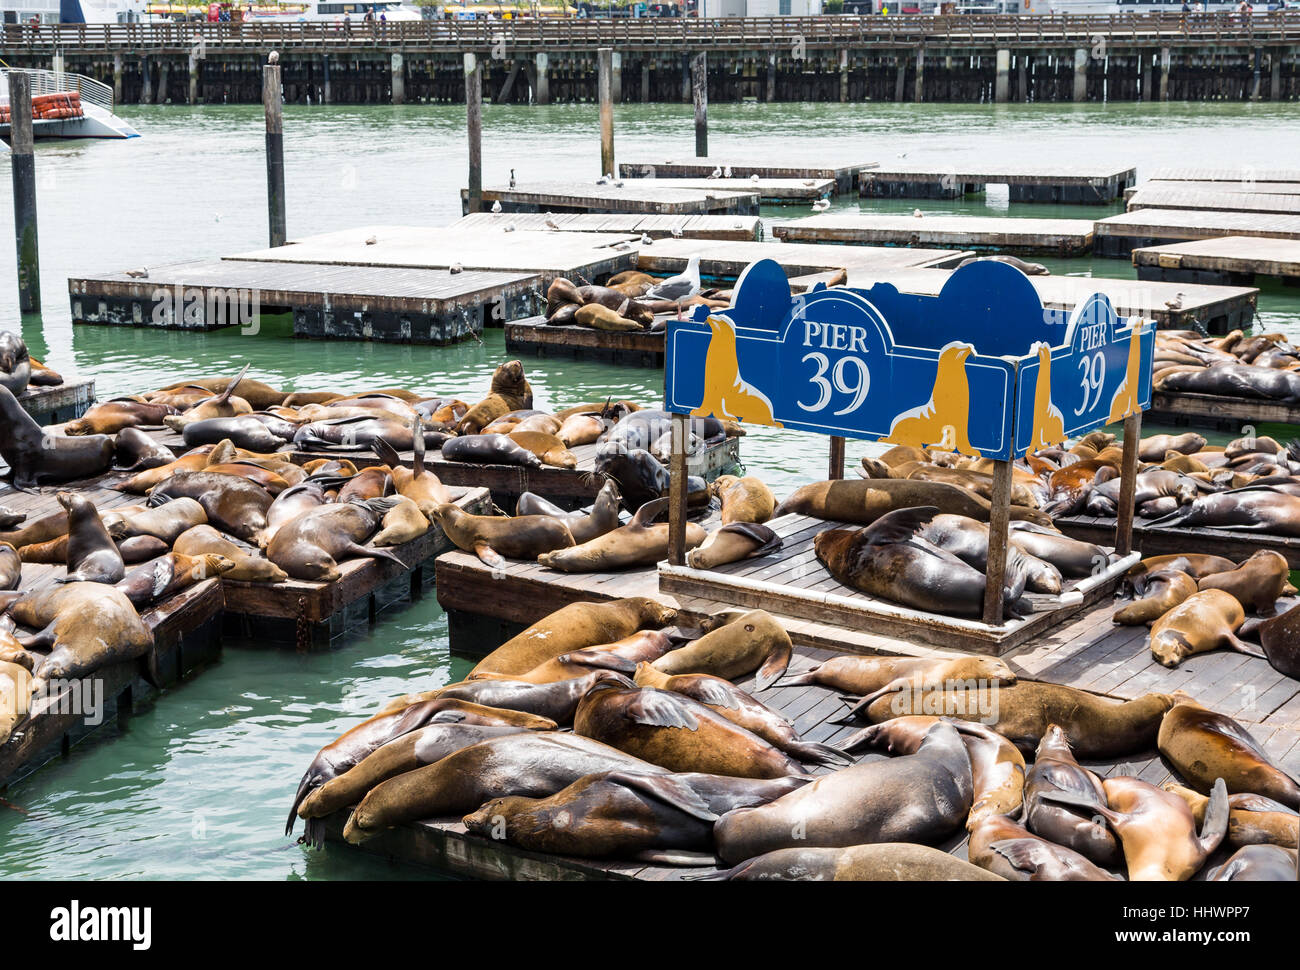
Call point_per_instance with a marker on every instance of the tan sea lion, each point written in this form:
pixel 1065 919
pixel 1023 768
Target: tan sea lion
pixel 157 581
pixel 118 414
pixel 1000 846
pixel 575 627
pixel 921 797
pixel 623 656
pixel 496 538
pixel 1196 565
pixel 584 525
pixel 866 499
pixel 600 317
pixel 402 523
pixel 510 391
pixel 1207 620
pixel 141 482
pixel 259 395
pixel 745 499
pixel 11 567
pixel 550 449
pixel 15 696
pixel 642 542
pixel 373 482
pixel 1157 447
pixel 417 483
pixel 749 642
pixel 245 567
pixel 86 626
pixel 886 862
pixel 556 700
pixel 1252 819
pixel 867 676
pixel 1163 590
pixel 165 522
pixel 1158 831
pixel 1256 583
pixel 311 546
pixel 1204 745
pixel 732 543
pixel 91 554
pixel 580 429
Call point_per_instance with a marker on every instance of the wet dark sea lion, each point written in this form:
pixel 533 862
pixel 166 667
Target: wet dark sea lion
pixel 1254 508
pixel 159 580
pixel 921 797
pixel 496 538
pixel 489 449
pixel 11 567
pixel 1258 863
pixel 583 525
pixel 1162 591
pixel 86 626
pixel 15 364
pixel 864 500
pixel 556 700
pixel 1055 769
pixel 37 456
pixel 885 862
pixel 91 555
pixel 244 430
pixel 1000 846
pixel 745 643
pixel 135 451
pixel 1280 638
pixel 234 505
pixel 312 545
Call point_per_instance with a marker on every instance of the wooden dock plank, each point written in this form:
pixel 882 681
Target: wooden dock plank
pixel 1062 237
pixel 843 173
pixel 771 191
pixel 1215 411
pixel 728 260
pixel 1244 173
pixel 1119 235
pixel 1160 541
pixel 1067 184
pixel 1224 259
pixel 656 196
pixel 1213 201
pixel 58 403
pixel 1244 185
pixel 733 227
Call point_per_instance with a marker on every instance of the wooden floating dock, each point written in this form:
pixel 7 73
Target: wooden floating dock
pixel 1243 174
pixel 1234 260
pixel 633 348
pixel 58 403
pixel 1120 235
pixel 658 197
pixel 735 227
pixel 1056 237
pixel 1163 541
pixel 771 191
pixel 1213 201
pixel 1245 187
pixel 1061 184
pixel 845 176
pixel 1229 414
pixel 328 301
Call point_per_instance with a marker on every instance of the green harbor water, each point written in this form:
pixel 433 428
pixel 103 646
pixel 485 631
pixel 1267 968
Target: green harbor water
pixel 198 785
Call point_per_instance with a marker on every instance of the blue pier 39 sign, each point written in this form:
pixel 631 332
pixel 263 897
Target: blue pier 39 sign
pixel 982 368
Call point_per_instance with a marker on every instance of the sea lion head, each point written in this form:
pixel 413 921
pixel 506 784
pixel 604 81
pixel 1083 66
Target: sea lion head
pixel 508 379
pixel 1170 647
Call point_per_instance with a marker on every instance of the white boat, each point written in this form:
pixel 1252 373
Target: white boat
pixel 75 11
pixel 96 119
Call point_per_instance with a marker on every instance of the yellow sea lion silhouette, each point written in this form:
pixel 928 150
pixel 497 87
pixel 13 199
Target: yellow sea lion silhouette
pixel 941 421
pixel 1125 401
pixel 1049 422
pixel 726 394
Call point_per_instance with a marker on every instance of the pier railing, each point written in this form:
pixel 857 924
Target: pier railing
pixel 531 36
pixel 61 82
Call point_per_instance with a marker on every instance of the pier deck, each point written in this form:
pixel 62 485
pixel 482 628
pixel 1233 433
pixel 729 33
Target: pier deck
pixel 1243 174
pixel 1082 185
pixel 58 403
pixel 653 196
pixel 771 191
pixel 1120 235
pixel 1056 237
pixel 1162 541
pixel 734 227
pixel 1148 197
pixel 1245 186
pixel 1235 260
pixel 1229 414
pixel 844 174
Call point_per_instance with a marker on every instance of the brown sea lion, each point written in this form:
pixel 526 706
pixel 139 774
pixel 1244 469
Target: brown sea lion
pixel 999 845
pixel 642 542
pixel 1258 863
pixel 1252 819
pixel 165 522
pixel 1162 591
pixel 868 676
pixel 1157 447
pixel 666 819
pixel 157 581
pixel 1055 769
pixel 38 456
pixel 91 554
pixel 417 483
pixel 1204 745
pixel 246 566
pixel 496 538
pixel 141 482
pixel 1257 583
pixel 556 700
pixel 11 567
pixel 1098 727
pixel 886 862
pixel 622 655
pixel 373 482
pixel 115 415
pixel 236 506
pixel 584 525
pixel 580 429
pixel 1196 565
pixel 677 733
pixel 600 317
pixel 133 450
pixel 745 499
pixel 732 543
pixel 533 764
pixel 1280 638
pixel 575 627
pixel 743 644
pixel 86 626
pixel 550 449
pixel 289 504
pixel 1157 829
pixel 726 699
pixel 510 391
pixel 866 499
pixel 15 696
pixel 312 545
pixel 1207 620
pixel 921 797
pixel 259 395
pixel 404 522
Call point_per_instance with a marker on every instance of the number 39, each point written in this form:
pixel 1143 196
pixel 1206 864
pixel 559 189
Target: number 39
pixel 1094 375
pixel 858 388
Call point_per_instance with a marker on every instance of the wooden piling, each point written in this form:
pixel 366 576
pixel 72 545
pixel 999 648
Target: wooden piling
pixel 1002 82
pixel 1128 483
pixel 24 178
pixel 397 75
pixel 677 492
pixel 271 101
pixel 605 59
pixel 117 77
pixel 700 95
pixel 837 458
pixel 474 127
pixel 1164 74
pixel 1080 74
pixel 999 527
pixel 543 93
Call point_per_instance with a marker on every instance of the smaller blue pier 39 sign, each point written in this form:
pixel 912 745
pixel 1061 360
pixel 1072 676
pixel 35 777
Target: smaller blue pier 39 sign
pixel 982 368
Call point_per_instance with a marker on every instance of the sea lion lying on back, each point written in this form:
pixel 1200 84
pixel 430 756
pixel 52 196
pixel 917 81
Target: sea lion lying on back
pixel 742 644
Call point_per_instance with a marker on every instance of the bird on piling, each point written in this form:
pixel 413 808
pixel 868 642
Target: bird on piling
pixel 678 289
pixel 138 274
pixel 917 214
pixel 273 57
pixel 645 239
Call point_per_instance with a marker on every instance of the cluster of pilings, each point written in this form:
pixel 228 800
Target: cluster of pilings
pixel 877 73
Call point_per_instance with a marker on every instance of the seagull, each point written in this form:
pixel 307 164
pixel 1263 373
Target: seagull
pixel 455 268
pixel 917 214
pixel 821 205
pixel 551 223
pixel 726 172
pixel 618 184
pixel 646 240
pixel 754 178
pixel 902 154
pixel 512 178
pixel 603 180
pixel 678 289
pixel 371 240
pixel 676 233
pixel 1176 303
pixel 273 57
pixel 138 274
pixel 510 227
pixel 716 173
pixel 810 182
pixel 496 206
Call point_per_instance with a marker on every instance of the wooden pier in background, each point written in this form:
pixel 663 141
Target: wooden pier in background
pixel 1070 184
pixel 59 402
pixel 843 174
pixel 1054 237
pixel 771 191
pixel 1243 187
pixel 1155 540
pixel 733 227
pixel 1244 174
pixel 1148 197
pixel 1232 260
pixel 1230 414
pixel 1121 234
pixel 653 197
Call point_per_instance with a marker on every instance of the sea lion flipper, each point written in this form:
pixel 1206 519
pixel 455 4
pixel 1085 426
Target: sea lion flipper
pixel 669 789
pixel 373 552
pixel 41 638
pixel 224 396
pixel 1215 826
pixel 386 452
pixel 601 659
pixel 812 752
pixel 773 667
pixel 899 525
pixel 417 444
pixel 489 556
pixel 676 857
pixel 660 708
pixel 1241 646
pixel 647 513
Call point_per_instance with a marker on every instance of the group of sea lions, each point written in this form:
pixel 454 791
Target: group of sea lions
pixel 1259 367
pixel 18 369
pixel 670 761
pixel 621 305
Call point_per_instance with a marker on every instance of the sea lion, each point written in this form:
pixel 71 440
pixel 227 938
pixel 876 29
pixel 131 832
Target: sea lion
pixel 489 449
pixel 1252 819
pixel 1253 508
pixel 43 376
pixel 288 505
pixel 727 700
pixel 575 627
pixel 583 525
pixel 1280 638
pixel 1157 447
pixel 91 555
pixel 600 317
pixel 622 655
pixel 236 506
pixel 1205 621
pixel 417 483
pixel 245 567
pixel 158 580
pixel 1000 846
pixel 873 676
pixel 1098 727
pixel 642 542
pixel 142 482
pixel 547 447
pixel 997 767
pixel 312 545
pixel 580 429
pixel 373 482
pixel 556 700
pixel 1029 269
pixel 1055 769
pixel 677 733
pixel 11 567
pixel 921 797
pixel 886 862
pixel 86 626
pixel 745 499
pixel 968 540
pixel 119 414
pixel 1257 583
pixel 732 543
pixel 1163 590
pixel 510 391
pixel 666 819
pixel 10 518
pixel 246 431
pixel 496 538
pixel 165 522
pixel 404 522
pixel 38 456
pixel 15 696
pixel 1196 565
pixel 15 363
pixel 534 764
pixel 749 642
pixel 259 395
pixel 1204 745
pixel 1258 863
pixel 135 451
pixel 864 500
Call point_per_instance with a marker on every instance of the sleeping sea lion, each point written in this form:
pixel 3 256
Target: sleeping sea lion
pixel 1206 620
pixel 15 363
pixel 556 700
pixel 1055 769
pixel 1258 863
pixel 1252 819
pixel 642 542
pixel 488 449
pixel 1000 846
pixel 874 676
pixel 745 643
pixel 547 447
pixel 732 543
pixel 1257 583
pixel 886 862
pixel 417 483
pixel 165 522
pixel 133 450
pixel 86 626
pixel 1196 565
pixel 745 499
pixel 15 696
pixel 234 505
pixel 159 580
pixel 289 504
pixel 38 456
pixel 1158 831
pixel 864 500
pixel 1280 638
pixel 245 566
pixel 402 523
pixel 256 393
pixel 584 525
pixel 312 545
pixel 623 656
pixel 496 538
pixel 1162 591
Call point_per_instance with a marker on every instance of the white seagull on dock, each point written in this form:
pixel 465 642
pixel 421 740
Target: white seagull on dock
pixel 455 268
pixel 754 178
pixel 551 223
pixel 678 289
pixel 138 274
pixel 371 240
pixel 821 205
pixel 917 214
pixel 496 206
pixel 726 172
pixel 716 173
pixel 646 240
